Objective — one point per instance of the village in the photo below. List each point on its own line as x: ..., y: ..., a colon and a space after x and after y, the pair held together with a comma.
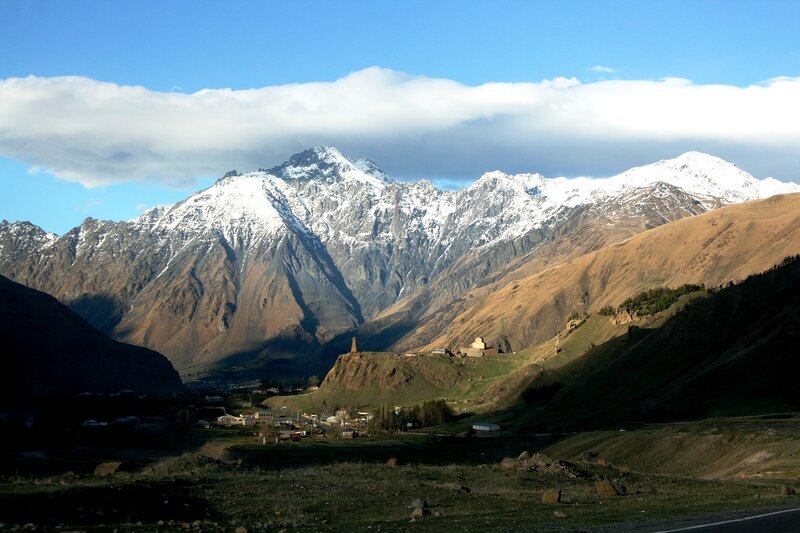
x: 247, y: 408
x: 277, y: 424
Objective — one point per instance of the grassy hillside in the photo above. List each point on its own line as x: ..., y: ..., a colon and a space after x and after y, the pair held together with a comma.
x: 372, y: 379
x: 720, y: 448
x: 478, y: 385
x: 732, y: 352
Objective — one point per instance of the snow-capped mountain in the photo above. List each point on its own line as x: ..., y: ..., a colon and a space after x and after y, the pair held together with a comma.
x: 268, y: 263
x: 20, y: 239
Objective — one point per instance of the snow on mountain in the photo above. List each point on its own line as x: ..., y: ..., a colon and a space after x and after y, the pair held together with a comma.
x: 354, y: 205
x: 320, y: 244
x: 20, y: 238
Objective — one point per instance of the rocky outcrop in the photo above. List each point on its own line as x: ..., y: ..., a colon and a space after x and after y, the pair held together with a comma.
x: 389, y: 372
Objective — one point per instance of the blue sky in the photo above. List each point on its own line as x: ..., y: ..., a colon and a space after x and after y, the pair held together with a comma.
x: 185, y: 47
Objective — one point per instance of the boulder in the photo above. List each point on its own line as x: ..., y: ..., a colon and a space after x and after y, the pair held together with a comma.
x: 559, y: 514
x: 420, y: 503
x: 524, y: 455
x: 418, y: 513
x: 551, y: 496
x: 605, y: 488
x: 107, y: 469
x: 393, y: 462
x: 421, y: 509
x: 788, y: 491
x: 508, y: 462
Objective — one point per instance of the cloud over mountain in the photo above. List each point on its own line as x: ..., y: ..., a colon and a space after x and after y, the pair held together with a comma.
x: 98, y: 133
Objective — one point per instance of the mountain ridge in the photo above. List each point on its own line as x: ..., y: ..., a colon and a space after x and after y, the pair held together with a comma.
x: 275, y: 263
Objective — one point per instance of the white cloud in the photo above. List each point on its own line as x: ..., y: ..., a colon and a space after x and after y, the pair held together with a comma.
x: 602, y: 69
x: 98, y: 133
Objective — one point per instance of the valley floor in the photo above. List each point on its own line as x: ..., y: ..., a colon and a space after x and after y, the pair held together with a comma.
x: 334, y: 484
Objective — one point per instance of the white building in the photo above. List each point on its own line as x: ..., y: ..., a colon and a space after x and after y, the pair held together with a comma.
x: 230, y: 420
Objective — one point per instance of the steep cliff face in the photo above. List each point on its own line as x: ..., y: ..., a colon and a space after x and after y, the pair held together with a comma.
x: 47, y: 350
x: 285, y: 262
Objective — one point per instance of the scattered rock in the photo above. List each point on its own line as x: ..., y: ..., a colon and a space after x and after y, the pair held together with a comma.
x: 421, y: 509
x: 196, y: 524
x: 542, y: 463
x: 524, y: 455
x: 420, y: 503
x: 240, y: 529
x: 559, y: 514
x: 107, y: 469
x: 508, y: 463
x: 551, y: 496
x: 605, y: 488
x: 418, y: 513
x: 647, y: 489
x: 788, y: 491
x: 454, y: 486
x: 393, y: 462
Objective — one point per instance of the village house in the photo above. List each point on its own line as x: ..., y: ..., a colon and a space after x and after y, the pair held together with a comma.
x: 230, y: 420
x: 250, y: 418
x: 441, y: 351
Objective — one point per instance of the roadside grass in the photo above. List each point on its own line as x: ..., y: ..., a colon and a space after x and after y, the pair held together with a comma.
x: 346, y: 493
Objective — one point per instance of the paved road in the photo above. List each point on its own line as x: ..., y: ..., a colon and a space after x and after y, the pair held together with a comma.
x: 787, y: 520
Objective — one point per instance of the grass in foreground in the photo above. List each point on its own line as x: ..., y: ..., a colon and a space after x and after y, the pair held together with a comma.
x: 346, y: 485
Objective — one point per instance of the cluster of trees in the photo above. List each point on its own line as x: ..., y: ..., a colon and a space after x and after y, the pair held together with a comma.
x: 430, y: 413
x: 607, y: 311
x: 655, y: 300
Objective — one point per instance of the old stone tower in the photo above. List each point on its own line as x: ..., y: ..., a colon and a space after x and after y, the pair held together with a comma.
x: 353, y: 347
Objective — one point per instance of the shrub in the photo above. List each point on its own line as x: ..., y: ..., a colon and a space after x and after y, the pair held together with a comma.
x: 607, y: 311
x: 655, y: 300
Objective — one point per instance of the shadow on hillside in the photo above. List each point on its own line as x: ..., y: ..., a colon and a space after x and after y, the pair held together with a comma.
x: 101, y: 311
x: 732, y: 353
x: 299, y: 355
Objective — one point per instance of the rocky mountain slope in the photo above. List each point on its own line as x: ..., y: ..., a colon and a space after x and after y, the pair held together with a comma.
x: 47, y: 350
x: 269, y: 266
x: 715, y: 248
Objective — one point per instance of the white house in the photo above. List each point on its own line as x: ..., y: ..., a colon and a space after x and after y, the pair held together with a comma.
x: 230, y: 420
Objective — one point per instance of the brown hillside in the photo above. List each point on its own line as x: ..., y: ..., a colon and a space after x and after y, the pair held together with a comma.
x: 714, y: 248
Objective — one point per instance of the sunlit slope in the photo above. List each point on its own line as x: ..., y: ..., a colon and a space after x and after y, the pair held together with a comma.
x: 714, y: 248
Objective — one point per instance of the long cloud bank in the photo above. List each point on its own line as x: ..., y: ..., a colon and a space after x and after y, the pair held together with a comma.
x: 99, y: 133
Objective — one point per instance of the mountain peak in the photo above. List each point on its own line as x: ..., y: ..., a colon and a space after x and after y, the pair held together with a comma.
x: 329, y: 164
x: 704, y: 175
